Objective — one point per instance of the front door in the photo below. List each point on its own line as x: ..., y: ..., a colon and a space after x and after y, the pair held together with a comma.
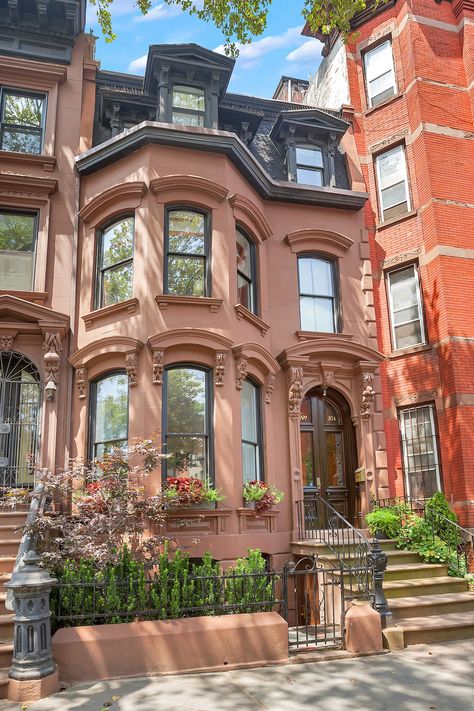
x: 328, y: 449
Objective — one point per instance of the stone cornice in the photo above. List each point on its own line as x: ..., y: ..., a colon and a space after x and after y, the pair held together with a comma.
x: 193, y: 183
x: 257, y: 352
x: 27, y: 186
x: 317, y: 240
x: 41, y: 317
x: 38, y: 74
x: 103, y: 347
x: 223, y: 142
x: 336, y: 345
x: 106, y: 201
x: 189, y: 337
x: 28, y: 160
x: 246, y: 212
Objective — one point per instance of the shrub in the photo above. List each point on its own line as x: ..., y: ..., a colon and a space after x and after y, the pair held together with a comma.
x: 438, y: 513
x: 384, y: 520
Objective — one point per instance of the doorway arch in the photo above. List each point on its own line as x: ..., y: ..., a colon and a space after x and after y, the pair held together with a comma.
x: 328, y: 449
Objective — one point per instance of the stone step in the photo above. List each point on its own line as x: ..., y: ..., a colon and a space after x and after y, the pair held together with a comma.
x: 4, y: 578
x: 4, y: 681
x: 423, y: 586
x: 7, y: 563
x: 6, y: 651
x: 397, y: 557
x: 407, y: 571
x: 437, y: 628
x: 9, y: 546
x: 426, y: 605
x: 3, y: 609
x: 11, y: 530
x: 6, y: 626
x: 13, y: 518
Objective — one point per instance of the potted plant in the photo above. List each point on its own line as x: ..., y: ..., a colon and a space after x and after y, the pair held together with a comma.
x: 187, y: 491
x: 261, y: 497
x: 383, y: 523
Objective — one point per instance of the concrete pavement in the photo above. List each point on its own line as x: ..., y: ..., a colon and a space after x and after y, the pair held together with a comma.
x: 422, y: 677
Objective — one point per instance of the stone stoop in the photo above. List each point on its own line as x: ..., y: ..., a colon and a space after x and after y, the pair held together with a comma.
x: 10, y: 537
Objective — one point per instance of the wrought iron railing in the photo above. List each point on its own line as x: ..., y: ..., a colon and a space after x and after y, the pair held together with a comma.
x: 318, y: 520
x: 459, y: 541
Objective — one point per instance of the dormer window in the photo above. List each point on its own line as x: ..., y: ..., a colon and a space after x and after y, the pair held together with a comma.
x: 189, y: 106
x: 309, y: 165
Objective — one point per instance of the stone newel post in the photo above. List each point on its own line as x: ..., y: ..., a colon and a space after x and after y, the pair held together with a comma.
x: 33, y: 672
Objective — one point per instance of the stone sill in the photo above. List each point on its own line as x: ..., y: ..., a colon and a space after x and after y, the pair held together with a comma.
x: 411, y: 350
x: 395, y: 220
x: 47, y: 163
x: 243, y: 313
x: 121, y: 309
x: 165, y: 300
x: 35, y: 297
x: 311, y: 335
x: 388, y: 101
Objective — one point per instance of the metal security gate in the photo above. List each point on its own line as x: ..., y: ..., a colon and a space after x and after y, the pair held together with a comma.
x: 313, y: 604
x: 20, y: 400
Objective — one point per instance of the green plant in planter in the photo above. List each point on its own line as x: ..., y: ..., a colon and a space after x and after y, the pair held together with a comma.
x: 186, y: 491
x: 265, y: 497
x: 384, y: 521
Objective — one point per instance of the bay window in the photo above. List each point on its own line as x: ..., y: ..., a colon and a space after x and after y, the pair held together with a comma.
x: 115, y: 263
x: 109, y: 414
x: 251, y: 432
x: 318, y: 294
x: 18, y: 237
x: 406, y: 310
x: 187, y: 247
x: 22, y: 116
x: 392, y: 181
x: 379, y: 73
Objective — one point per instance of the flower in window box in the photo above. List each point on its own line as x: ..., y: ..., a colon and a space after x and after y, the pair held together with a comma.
x: 187, y: 491
x: 260, y: 496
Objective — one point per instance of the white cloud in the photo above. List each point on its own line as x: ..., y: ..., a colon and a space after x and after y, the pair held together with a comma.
x: 137, y: 66
x: 309, y: 51
x: 249, y: 54
x: 158, y: 12
x: 118, y: 7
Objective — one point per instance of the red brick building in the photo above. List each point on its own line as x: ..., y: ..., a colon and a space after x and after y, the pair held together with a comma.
x: 407, y: 80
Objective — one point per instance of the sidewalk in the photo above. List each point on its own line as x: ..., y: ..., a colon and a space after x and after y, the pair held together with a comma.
x: 422, y: 677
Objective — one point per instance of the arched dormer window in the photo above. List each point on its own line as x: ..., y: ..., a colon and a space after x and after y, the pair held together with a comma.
x: 246, y: 271
x: 189, y: 106
x: 115, y: 262
x: 318, y: 289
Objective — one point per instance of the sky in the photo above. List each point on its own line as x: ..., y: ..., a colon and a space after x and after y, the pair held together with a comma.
x: 280, y: 50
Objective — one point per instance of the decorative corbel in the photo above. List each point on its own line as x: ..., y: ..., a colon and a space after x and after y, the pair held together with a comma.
x: 6, y: 341
x: 131, y: 366
x: 295, y: 395
x: 81, y: 382
x: 367, y: 393
x: 158, y: 365
x: 115, y: 119
x: 240, y: 371
x: 219, y: 370
x: 269, y: 385
x: 52, y: 349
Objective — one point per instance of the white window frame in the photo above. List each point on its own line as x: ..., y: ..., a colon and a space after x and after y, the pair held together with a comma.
x: 419, y: 304
x: 434, y: 437
x: 379, y: 183
x: 370, y: 98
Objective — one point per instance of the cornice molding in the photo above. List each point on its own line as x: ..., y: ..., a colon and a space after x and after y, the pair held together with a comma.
x: 189, y: 337
x: 193, y: 183
x: 39, y: 74
x: 44, y: 162
x: 27, y: 186
x: 257, y: 352
x: 247, y: 213
x: 130, y: 306
x: 25, y: 311
x: 318, y: 240
x: 334, y: 346
x: 214, y: 141
x: 103, y: 347
x: 165, y: 300
x: 106, y: 202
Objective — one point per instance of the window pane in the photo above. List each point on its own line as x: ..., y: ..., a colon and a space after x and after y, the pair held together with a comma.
x: 317, y: 314
x: 248, y: 409
x: 403, y: 288
x: 420, y: 455
x: 309, y: 157
x: 250, y: 468
x: 117, y: 242
x: 244, y: 292
x: 17, y: 251
x: 186, y: 401
x: 309, y: 177
x: 244, y: 262
x: 381, y: 88
x: 186, y: 276
x: 307, y: 458
x: 184, y: 119
x: 306, y: 415
x: 394, y: 195
x: 186, y: 97
x: 23, y: 110
x: 186, y: 232
x: 117, y: 284
x: 21, y: 141
x: 405, y: 315
x: 335, y: 459
x: 111, y: 408
x: 188, y: 457
x: 391, y: 167
x: 315, y: 276
x: 107, y: 447
x: 378, y: 61
x: 408, y: 335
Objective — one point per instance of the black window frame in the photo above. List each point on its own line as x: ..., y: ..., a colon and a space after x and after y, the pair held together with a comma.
x: 99, y: 254
x: 7, y: 90
x: 92, y: 443
x: 207, y: 248
x: 431, y: 405
x: 253, y: 282
x: 30, y: 213
x: 208, y: 417
x: 336, y: 298
x: 194, y: 112
x: 259, y: 418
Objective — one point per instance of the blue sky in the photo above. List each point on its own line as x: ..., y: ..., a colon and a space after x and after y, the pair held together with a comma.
x: 280, y: 50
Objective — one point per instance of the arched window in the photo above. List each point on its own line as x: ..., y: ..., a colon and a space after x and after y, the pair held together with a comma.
x: 319, y: 307
x: 246, y: 271
x: 108, y: 414
x: 187, y: 422
x: 115, y: 263
x: 187, y: 247
x: 252, y: 469
x: 20, y: 399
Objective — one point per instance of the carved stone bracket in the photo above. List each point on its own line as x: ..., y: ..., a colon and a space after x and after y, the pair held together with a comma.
x: 158, y: 361
x: 367, y: 393
x: 219, y: 370
x: 269, y: 385
x: 6, y: 341
x: 131, y: 366
x: 52, y: 348
x: 295, y: 395
x: 240, y: 371
x: 81, y: 382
